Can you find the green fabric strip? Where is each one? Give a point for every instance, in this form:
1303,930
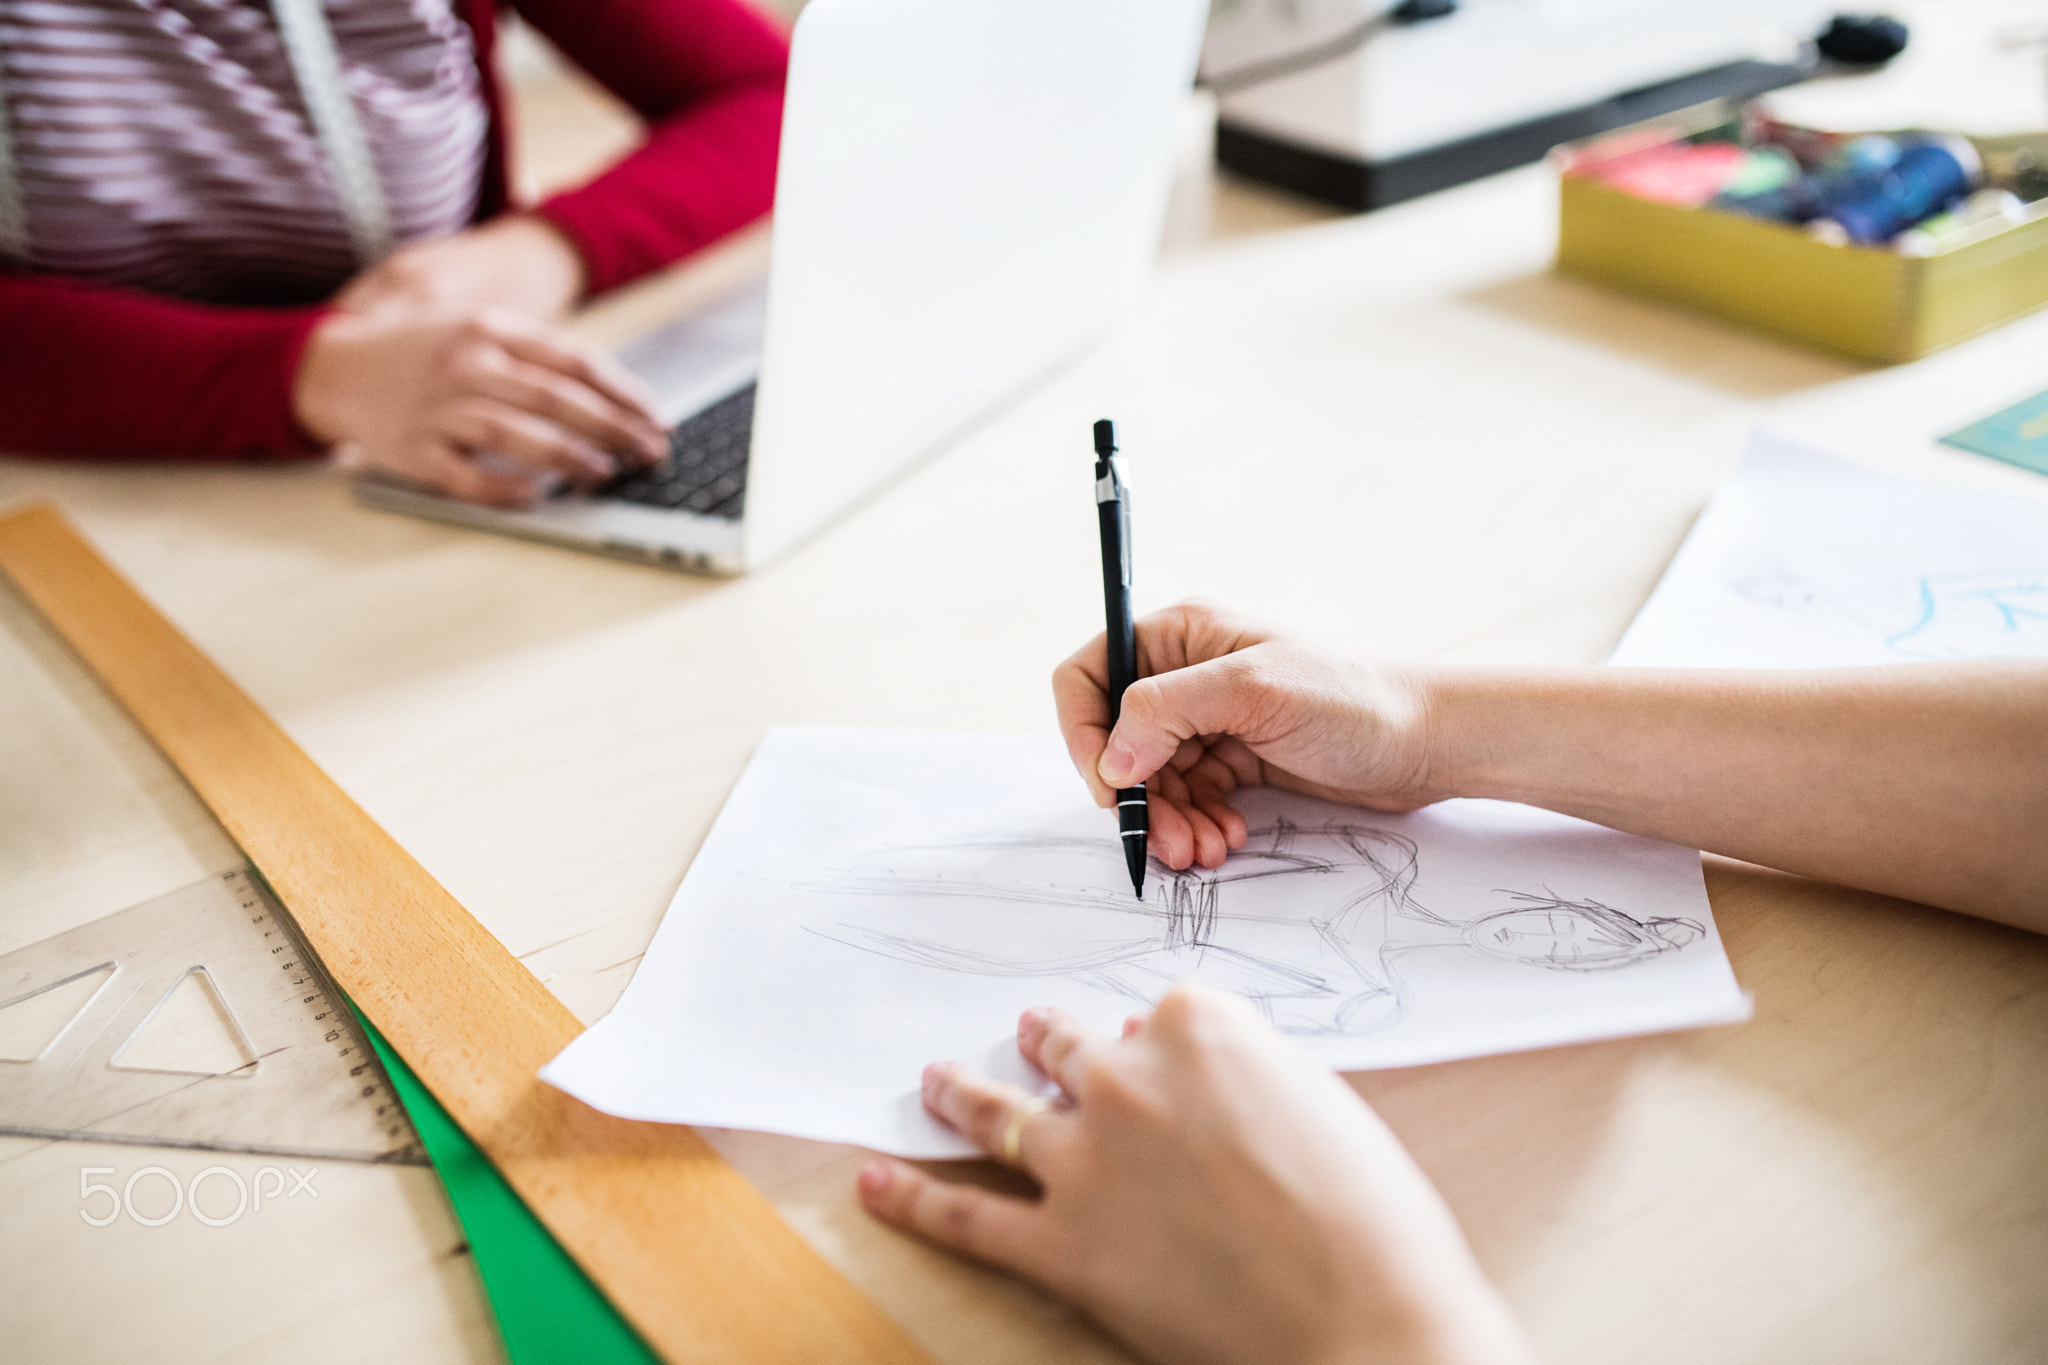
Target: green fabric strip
547,1308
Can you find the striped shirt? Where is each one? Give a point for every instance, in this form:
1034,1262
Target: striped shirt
163,144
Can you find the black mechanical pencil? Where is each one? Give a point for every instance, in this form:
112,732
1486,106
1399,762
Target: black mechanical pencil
1113,511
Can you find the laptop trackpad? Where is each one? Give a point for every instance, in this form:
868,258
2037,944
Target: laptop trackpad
694,361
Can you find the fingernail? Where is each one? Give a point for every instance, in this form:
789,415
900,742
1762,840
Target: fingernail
874,1179
1030,1019
1117,763
932,1074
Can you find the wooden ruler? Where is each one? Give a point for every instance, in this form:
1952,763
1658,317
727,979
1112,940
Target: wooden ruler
694,1256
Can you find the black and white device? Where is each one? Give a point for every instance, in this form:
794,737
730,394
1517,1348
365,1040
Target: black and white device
1369,102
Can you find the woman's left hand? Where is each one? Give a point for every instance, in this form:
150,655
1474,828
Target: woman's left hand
1210,1194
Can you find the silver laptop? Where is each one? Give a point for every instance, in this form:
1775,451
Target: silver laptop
969,191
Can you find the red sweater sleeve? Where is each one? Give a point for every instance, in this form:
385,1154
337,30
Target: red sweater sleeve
86,369
707,76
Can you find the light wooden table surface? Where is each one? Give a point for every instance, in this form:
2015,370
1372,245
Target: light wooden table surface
1399,430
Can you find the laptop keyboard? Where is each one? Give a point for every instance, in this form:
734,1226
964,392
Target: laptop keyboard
706,468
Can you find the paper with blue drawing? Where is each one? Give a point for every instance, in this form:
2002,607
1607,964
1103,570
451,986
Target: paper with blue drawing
870,901
1802,560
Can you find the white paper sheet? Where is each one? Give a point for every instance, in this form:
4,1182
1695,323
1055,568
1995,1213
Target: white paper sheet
1802,560
871,901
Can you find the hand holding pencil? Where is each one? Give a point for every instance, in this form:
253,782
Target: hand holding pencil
1222,703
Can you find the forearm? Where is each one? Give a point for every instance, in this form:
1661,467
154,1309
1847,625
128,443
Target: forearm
707,77
91,370
699,176
1928,782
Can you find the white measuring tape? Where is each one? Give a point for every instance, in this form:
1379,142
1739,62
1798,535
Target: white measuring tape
13,220
316,67
309,43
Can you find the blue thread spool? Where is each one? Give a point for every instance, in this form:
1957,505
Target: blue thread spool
1925,178
1850,166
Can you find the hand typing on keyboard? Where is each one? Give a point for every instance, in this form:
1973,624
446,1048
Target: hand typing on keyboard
706,468
492,407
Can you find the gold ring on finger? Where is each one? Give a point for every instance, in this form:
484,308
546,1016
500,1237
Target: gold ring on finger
1012,1146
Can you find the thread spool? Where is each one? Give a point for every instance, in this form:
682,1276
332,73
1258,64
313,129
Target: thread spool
1926,177
1803,197
1968,221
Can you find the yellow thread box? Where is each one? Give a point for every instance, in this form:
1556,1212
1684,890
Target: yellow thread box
1867,302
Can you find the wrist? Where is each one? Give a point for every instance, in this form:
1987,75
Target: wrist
319,398
1561,738
1466,1323
548,265
1475,1327
1450,712
1495,732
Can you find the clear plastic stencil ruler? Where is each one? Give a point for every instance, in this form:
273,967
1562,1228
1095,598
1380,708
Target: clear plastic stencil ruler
291,1073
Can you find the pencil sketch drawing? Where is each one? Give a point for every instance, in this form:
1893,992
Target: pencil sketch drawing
1989,614
1316,959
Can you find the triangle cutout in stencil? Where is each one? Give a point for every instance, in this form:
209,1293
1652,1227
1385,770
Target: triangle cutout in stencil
30,1023
191,1031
